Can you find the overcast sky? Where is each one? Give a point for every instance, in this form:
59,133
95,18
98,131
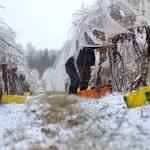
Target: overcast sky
44,23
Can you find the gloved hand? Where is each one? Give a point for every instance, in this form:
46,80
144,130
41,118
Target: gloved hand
97,89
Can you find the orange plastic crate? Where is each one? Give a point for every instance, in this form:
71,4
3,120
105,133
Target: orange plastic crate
92,93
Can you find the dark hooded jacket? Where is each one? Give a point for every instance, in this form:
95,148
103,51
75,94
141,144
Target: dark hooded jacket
86,57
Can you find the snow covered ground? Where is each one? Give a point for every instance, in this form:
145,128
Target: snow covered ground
60,122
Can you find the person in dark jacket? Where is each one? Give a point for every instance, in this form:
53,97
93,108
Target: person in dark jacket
73,75
80,78
85,60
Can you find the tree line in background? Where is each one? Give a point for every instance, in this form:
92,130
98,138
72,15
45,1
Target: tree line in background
40,59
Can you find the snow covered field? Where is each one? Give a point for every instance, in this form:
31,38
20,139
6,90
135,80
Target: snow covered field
60,122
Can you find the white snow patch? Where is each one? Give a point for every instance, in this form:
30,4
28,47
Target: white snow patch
104,124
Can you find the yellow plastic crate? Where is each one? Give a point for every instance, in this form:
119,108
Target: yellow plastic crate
138,97
13,99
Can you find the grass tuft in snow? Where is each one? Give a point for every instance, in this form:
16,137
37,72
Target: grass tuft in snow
60,107
80,119
62,101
